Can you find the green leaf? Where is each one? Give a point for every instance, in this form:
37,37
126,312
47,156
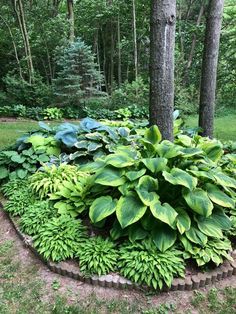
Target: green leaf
153,135
163,236
18,159
213,150
224,180
136,232
101,208
4,172
183,220
196,236
198,201
134,175
43,158
207,226
155,164
117,232
167,149
164,212
146,190
221,219
219,197
119,160
180,177
21,173
129,209
110,177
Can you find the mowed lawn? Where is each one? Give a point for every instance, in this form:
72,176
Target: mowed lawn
225,128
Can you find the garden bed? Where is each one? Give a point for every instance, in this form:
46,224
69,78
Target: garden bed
71,269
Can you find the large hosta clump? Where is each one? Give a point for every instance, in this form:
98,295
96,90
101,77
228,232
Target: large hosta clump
176,192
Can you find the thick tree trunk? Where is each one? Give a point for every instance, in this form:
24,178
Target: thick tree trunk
209,67
135,41
71,19
162,42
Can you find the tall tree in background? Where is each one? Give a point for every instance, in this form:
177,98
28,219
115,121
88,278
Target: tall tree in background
20,15
162,43
135,40
209,67
71,18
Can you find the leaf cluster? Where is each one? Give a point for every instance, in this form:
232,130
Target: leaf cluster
58,239
144,264
97,256
36,216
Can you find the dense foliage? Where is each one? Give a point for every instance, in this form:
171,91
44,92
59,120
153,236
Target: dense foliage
157,203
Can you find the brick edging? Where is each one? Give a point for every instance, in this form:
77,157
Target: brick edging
193,282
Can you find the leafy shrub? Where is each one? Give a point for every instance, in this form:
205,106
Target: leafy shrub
97,256
59,238
215,250
49,178
135,93
52,114
144,264
19,201
166,189
21,92
36,216
30,152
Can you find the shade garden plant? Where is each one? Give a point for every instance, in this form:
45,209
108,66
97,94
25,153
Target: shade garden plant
121,199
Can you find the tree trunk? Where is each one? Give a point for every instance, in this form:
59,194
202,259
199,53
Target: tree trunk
209,67
71,19
19,10
14,46
162,42
119,52
193,45
135,41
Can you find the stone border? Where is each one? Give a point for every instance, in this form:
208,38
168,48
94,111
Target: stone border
226,270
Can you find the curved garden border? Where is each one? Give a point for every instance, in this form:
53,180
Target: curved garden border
69,269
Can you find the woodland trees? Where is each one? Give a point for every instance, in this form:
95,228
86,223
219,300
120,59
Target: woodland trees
34,33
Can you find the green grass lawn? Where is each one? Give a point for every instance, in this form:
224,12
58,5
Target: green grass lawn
225,128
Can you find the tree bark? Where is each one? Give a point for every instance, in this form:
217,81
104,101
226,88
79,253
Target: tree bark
209,67
71,19
135,41
162,42
119,52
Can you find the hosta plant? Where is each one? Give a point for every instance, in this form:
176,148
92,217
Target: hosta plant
19,201
11,187
48,179
144,264
36,216
169,188
59,238
97,256
215,250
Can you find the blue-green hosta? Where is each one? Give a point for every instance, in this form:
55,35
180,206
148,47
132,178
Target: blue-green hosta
164,189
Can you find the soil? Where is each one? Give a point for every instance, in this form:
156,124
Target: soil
181,299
